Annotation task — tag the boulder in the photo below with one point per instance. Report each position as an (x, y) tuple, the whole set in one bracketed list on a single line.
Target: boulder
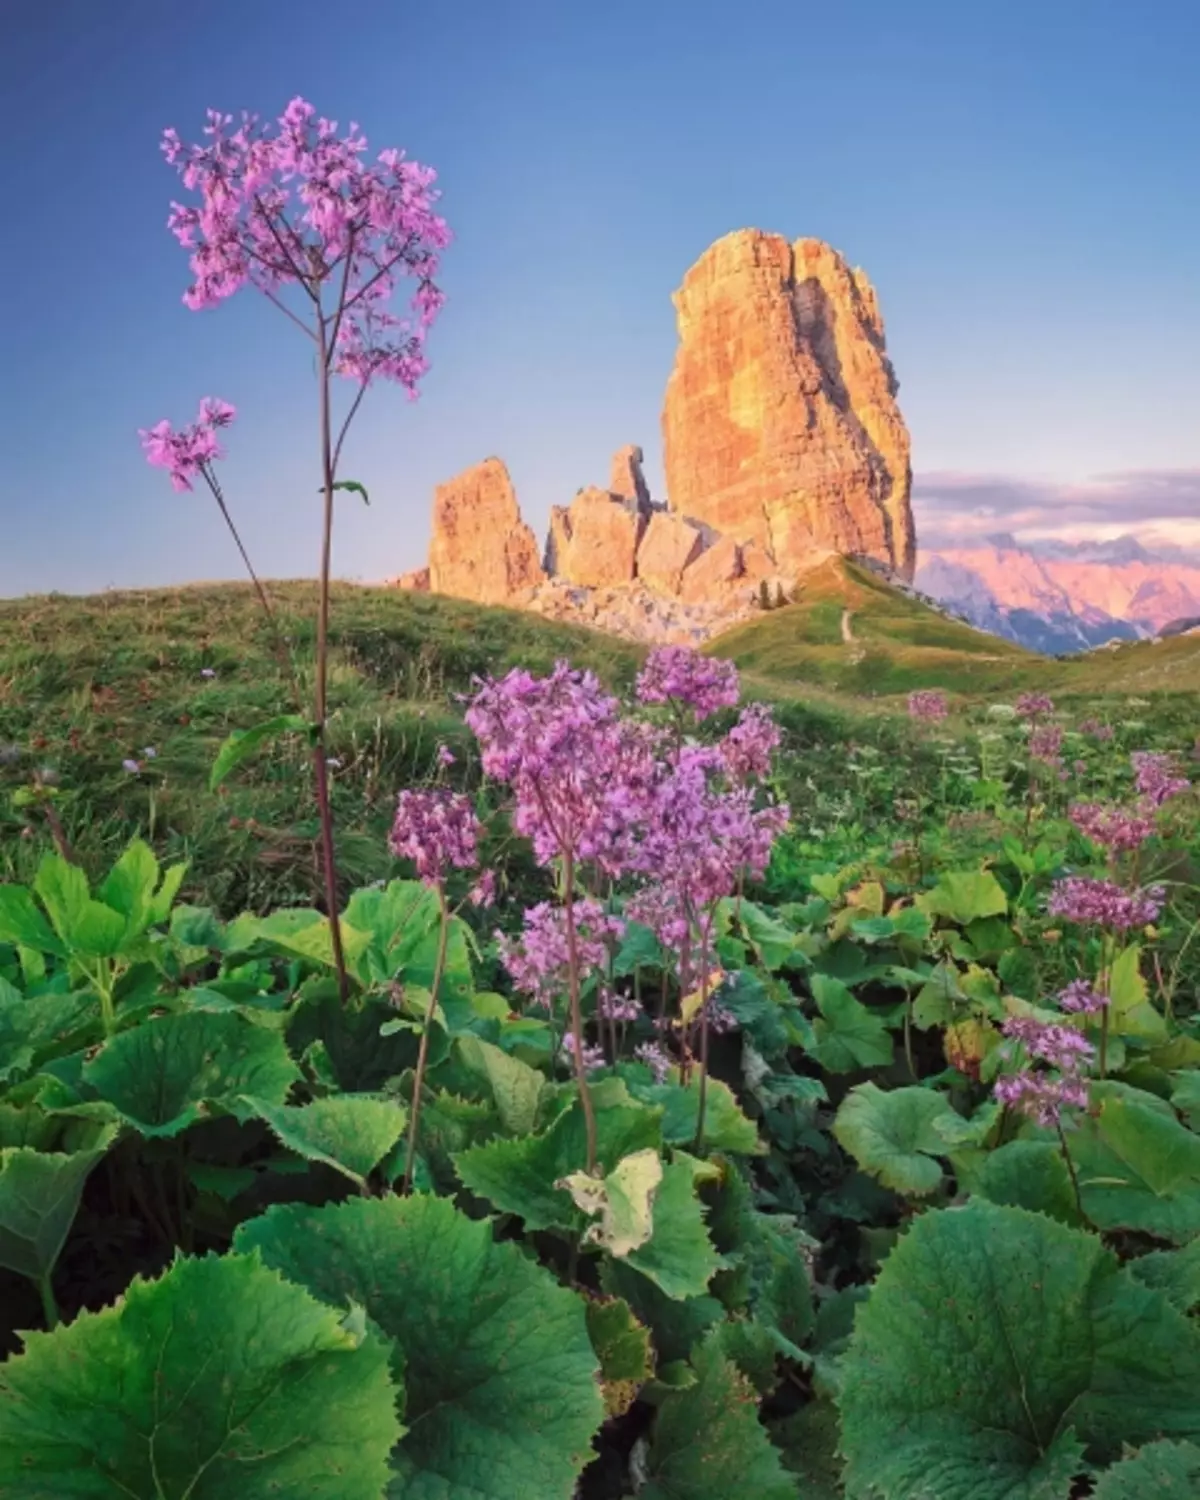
[(593, 541), (780, 424), (481, 548), (669, 545), (714, 576)]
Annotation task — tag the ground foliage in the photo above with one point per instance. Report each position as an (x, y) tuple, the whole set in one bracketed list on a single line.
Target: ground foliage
[(852, 1271)]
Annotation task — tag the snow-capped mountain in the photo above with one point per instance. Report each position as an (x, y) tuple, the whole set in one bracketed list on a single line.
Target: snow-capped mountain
[(1058, 597)]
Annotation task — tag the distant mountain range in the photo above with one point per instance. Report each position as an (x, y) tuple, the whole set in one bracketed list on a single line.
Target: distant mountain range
[(1059, 597)]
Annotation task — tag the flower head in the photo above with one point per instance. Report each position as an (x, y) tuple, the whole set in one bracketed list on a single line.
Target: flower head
[(436, 830), (1156, 778), (1102, 903), (1097, 731), (538, 961), (301, 207), (593, 1057), (677, 674), (655, 1058), (927, 703), (1034, 705), (1118, 829), (188, 452), (1080, 997), (1045, 744), (748, 747)]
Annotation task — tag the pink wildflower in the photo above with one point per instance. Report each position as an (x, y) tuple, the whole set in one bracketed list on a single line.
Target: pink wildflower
[(1080, 997), (188, 452), (1101, 903), (1118, 829), (1045, 744), (1034, 705), (748, 747), (537, 962), (1156, 779), (655, 1058), (436, 830), (927, 703), (483, 892), (593, 1057), (676, 674)]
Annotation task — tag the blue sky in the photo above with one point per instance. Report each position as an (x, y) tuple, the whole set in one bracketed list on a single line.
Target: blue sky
[(1019, 179)]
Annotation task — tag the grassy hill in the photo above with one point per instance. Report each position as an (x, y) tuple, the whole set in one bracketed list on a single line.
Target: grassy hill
[(87, 684), (851, 633)]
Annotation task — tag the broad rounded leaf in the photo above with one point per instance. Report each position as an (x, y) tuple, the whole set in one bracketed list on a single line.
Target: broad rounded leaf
[(623, 1348), (1138, 1168), (219, 1381), (964, 896), (679, 1256), (500, 1376), (1029, 1174), (892, 1135), (40, 1191), (1161, 1471), (849, 1035), (708, 1442), (166, 1072), (1175, 1273), (352, 1134), (996, 1350), (521, 1176)]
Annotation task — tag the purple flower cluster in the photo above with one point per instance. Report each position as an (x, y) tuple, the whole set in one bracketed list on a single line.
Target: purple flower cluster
[(436, 830), (188, 452), (678, 675), (593, 1057), (302, 207), (580, 775), (1156, 778), (1118, 829), (1046, 743), (1043, 1093), (1034, 705), (927, 703), (1095, 730), (748, 747), (537, 962), (1102, 903), (656, 1058), (1081, 997)]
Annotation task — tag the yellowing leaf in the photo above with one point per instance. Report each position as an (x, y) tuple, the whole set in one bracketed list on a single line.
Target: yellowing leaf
[(689, 1006), (624, 1201)]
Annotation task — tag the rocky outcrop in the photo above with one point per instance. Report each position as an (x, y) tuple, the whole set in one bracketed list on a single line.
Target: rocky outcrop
[(669, 545), (717, 576), (626, 478), (481, 549), (594, 540), (780, 425), (416, 582)]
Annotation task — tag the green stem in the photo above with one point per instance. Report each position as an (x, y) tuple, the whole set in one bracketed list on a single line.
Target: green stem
[(439, 968), (49, 1305), (1066, 1156), (702, 1103)]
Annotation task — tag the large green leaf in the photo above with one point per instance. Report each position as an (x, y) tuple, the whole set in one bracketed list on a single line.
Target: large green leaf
[(708, 1443), (132, 888), (1138, 1168), (996, 1350), (167, 1072), (514, 1087), (1029, 1174), (46, 1026), (347, 1132), (1129, 1008), (219, 1381), (23, 925), (808, 1442), (964, 896), (502, 1398), (521, 1176), (623, 1348), (849, 1036), (1161, 1471), (1175, 1273), (726, 1128), (44, 1163), (892, 1135)]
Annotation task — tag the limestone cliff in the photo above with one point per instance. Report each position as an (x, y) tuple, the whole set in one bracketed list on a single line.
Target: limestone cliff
[(481, 548), (780, 425)]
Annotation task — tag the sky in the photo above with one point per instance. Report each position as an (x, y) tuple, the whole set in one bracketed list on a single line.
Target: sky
[(1018, 178)]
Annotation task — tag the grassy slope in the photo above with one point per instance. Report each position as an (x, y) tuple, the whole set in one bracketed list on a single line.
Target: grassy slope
[(900, 644), (85, 683)]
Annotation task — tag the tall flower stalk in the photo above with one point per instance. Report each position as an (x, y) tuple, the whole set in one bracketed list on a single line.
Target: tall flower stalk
[(301, 211), (439, 831)]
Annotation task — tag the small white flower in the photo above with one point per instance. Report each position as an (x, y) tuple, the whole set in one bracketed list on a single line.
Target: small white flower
[(150, 753), (131, 766)]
